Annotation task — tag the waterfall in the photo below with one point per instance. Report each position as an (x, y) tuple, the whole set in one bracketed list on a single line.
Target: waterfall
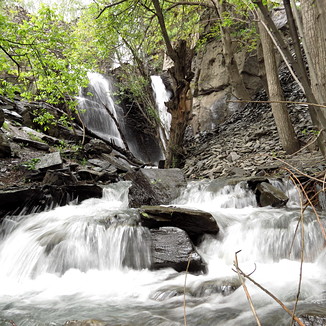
[(109, 121), (162, 96), (98, 110), (90, 261)]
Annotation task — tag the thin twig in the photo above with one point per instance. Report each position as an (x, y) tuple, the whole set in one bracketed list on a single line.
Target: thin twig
[(312, 206), (285, 308), (299, 171), (302, 249), (184, 293), (236, 265)]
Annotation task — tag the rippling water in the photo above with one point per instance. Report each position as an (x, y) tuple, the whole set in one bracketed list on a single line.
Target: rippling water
[(90, 261)]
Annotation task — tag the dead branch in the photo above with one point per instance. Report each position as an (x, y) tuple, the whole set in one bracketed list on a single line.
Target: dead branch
[(302, 246), (310, 202), (184, 293), (239, 271), (236, 265)]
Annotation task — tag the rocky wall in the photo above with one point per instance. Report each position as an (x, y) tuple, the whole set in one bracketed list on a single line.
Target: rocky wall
[(211, 85)]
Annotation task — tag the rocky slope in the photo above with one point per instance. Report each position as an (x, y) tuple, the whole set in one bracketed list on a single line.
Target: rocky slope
[(247, 143)]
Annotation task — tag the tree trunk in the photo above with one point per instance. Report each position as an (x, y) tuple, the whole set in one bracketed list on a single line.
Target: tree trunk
[(180, 104), (314, 33), (317, 116), (236, 80), (282, 119)]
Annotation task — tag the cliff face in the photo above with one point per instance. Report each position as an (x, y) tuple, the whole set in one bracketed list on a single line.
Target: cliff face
[(212, 87)]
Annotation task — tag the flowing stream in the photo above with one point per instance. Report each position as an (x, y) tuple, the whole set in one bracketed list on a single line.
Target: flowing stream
[(90, 261)]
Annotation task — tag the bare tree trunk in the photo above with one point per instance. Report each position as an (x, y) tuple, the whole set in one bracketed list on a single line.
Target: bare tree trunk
[(315, 34), (317, 116), (282, 119), (236, 80)]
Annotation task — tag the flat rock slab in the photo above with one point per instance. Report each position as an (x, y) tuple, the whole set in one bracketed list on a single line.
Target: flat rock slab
[(32, 143), (171, 247), (49, 161), (195, 222)]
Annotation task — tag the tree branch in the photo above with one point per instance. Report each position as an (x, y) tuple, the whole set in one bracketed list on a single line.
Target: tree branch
[(170, 51), (11, 58), (109, 6)]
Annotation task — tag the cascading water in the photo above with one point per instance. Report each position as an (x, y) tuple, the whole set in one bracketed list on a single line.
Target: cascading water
[(89, 261), (111, 122), (162, 96), (98, 110)]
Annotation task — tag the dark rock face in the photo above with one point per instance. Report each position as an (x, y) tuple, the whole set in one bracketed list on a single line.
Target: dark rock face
[(155, 186), (97, 146), (195, 222), (59, 177), (172, 247), (268, 195), (37, 199), (5, 149), (2, 118)]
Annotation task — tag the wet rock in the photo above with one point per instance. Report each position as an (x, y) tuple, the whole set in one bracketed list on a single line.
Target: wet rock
[(39, 198), (155, 186), (119, 163), (32, 143), (89, 322), (167, 293), (172, 247), (313, 320), (13, 116), (100, 163), (95, 176), (2, 117), (268, 195), (59, 177), (195, 222), (97, 147), (49, 161), (5, 149), (220, 286)]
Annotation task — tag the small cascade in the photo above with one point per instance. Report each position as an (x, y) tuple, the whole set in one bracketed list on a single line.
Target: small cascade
[(162, 96), (98, 110), (77, 237), (90, 261)]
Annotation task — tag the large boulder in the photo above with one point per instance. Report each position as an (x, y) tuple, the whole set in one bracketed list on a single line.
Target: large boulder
[(155, 186), (195, 222), (172, 247), (268, 195)]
